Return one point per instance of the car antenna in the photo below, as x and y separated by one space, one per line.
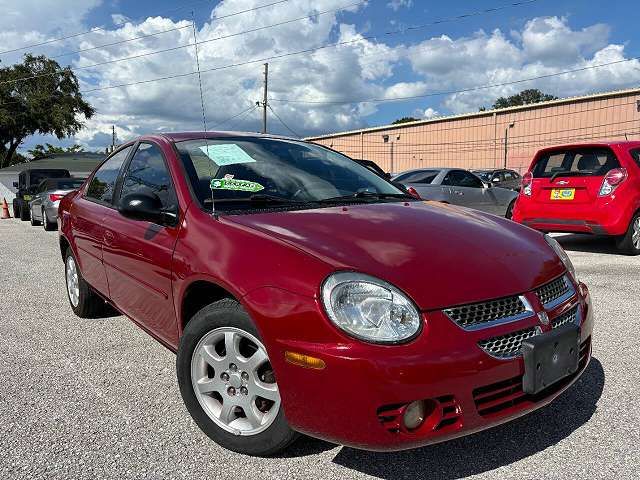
204 113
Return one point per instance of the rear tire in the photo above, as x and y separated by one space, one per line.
629 243
48 226
84 302
208 331
24 213
34 222
16 210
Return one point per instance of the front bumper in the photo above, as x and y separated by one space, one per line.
358 399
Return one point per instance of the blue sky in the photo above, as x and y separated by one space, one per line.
539 38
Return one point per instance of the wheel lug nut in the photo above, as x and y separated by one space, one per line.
233 367
245 376
224 376
244 391
231 391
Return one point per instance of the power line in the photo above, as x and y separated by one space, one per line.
283 122
451 92
244 32
235 122
117 24
251 108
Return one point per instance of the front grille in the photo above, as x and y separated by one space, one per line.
495 399
552 291
508 346
477 314
568 317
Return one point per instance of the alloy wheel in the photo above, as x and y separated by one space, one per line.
233 381
635 236
73 287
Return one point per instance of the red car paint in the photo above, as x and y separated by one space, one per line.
275 263
588 212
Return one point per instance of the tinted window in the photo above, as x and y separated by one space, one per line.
636 156
508 176
575 162
293 171
423 176
104 180
38 175
486 176
460 178
147 173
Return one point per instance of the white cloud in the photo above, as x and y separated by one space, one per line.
430 113
396 5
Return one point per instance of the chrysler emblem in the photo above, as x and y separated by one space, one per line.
544 318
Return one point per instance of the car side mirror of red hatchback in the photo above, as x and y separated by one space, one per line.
143 206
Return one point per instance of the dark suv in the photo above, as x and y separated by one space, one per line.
27 184
501 178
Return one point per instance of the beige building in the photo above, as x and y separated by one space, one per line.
477 140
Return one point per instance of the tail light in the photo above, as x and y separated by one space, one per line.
611 181
54 197
527 182
413 192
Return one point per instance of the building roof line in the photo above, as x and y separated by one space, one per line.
484 113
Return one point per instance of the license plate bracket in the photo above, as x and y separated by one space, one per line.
550 357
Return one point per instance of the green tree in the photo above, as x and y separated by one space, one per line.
525 97
45 100
40 151
404 120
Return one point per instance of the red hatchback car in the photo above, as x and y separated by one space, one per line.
304 293
587 188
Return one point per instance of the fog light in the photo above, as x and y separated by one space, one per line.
414 415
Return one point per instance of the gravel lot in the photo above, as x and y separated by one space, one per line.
98 398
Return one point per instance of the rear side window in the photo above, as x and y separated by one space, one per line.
426 177
104 180
147 172
460 178
636 156
575 162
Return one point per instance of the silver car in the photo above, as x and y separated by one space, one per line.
459 187
44 205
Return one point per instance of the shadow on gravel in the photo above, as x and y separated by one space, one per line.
589 243
492 448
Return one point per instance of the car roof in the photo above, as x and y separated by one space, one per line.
601 143
182 136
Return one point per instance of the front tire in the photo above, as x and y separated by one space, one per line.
227 382
629 243
509 214
84 302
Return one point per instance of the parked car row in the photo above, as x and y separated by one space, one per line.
38 195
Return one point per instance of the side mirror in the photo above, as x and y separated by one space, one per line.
147 207
387 175
488 184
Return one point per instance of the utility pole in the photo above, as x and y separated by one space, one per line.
113 137
264 98
506 142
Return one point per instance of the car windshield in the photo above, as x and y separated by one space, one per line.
38 175
68 184
485 176
243 173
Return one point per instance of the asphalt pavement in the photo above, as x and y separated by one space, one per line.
98 398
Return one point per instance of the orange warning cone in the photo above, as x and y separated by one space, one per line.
5 210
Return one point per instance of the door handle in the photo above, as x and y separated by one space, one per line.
108 237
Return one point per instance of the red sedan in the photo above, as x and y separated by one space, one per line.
304 293
586 188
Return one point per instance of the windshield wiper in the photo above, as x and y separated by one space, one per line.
365 194
259 198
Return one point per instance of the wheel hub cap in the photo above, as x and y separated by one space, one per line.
73 288
233 381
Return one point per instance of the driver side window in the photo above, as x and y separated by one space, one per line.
147 173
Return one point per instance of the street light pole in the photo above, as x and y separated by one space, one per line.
506 142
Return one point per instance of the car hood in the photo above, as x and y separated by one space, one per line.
439 254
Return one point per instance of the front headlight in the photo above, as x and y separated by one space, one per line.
553 243
369 309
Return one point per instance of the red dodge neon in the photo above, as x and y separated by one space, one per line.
304 293
588 188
